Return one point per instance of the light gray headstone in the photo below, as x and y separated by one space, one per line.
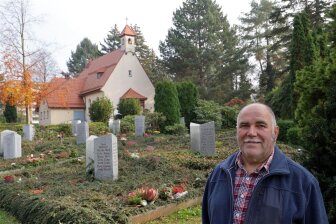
139 125
12 146
202 138
182 120
82 132
74 126
106 157
2 134
28 132
89 155
110 124
116 127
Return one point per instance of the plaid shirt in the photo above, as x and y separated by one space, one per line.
244 185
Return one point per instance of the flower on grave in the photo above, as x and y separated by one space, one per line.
8 179
130 143
37 191
134 198
146 134
135 155
178 189
149 194
156 132
180 194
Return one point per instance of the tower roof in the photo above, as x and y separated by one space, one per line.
127 31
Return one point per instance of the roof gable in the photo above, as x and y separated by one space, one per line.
131 93
127 31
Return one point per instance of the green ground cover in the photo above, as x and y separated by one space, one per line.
55 188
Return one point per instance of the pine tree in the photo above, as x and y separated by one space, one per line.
112 41
202 47
85 52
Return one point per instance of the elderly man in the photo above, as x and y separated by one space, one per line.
259 184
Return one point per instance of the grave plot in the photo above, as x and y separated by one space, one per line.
161 170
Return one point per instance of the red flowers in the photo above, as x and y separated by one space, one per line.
8 179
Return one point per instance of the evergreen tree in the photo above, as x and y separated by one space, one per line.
10 113
257 31
188 96
112 41
202 47
167 102
85 52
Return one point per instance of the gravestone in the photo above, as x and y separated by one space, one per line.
139 125
116 127
182 120
82 132
2 135
12 146
110 124
28 132
106 157
74 126
89 152
202 138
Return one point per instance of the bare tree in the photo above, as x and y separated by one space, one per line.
18 46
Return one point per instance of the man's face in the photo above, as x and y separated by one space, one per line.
256 135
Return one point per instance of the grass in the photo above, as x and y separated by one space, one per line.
6 218
184 216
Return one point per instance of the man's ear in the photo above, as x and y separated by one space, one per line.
276 133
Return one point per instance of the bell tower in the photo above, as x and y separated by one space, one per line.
127 39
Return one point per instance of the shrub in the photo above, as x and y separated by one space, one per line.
294 135
188 95
235 102
129 107
167 102
127 124
10 113
229 116
101 110
98 128
154 121
176 129
207 111
284 125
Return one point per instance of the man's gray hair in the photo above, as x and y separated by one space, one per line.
274 123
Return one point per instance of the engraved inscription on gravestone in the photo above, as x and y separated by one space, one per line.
106 157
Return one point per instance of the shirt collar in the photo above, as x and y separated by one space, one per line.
239 163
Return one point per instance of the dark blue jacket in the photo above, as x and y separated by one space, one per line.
287 194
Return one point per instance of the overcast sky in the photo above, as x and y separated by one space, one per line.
65 23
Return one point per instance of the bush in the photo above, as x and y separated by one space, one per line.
207 111
10 113
294 135
167 102
127 124
284 125
229 116
188 96
154 121
176 129
129 107
98 128
101 110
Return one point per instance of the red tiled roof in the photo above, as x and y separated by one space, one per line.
104 65
64 93
127 31
133 94
67 93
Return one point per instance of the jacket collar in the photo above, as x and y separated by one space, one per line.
279 163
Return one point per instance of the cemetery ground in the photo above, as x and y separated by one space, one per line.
49 183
